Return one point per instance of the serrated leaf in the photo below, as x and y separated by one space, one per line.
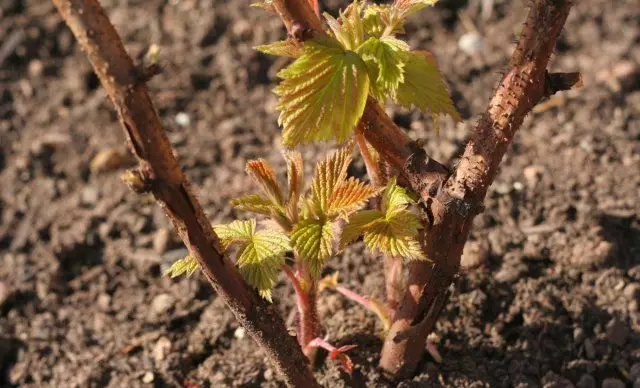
295 176
348 28
256 204
330 173
348 197
187 265
285 48
235 232
263 174
424 87
322 94
312 241
392 230
408 7
357 224
266 5
373 19
260 254
259 260
384 58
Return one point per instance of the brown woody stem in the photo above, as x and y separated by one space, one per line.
454 207
158 171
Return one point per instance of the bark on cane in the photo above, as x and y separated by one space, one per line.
456 204
158 172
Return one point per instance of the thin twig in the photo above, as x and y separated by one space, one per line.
160 173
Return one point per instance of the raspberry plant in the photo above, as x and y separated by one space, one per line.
413 208
322 96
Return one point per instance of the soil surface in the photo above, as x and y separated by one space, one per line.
550 291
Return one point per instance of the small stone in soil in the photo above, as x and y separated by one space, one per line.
613 383
147 378
587 381
161 241
474 255
161 349
617 331
589 349
162 303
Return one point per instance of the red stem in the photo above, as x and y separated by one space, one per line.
308 326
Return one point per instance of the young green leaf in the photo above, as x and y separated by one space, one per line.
392 230
312 240
260 254
323 93
187 265
373 20
330 173
349 197
408 7
423 85
256 204
348 30
266 5
263 174
285 48
295 176
385 64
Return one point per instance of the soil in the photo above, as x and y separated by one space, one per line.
550 291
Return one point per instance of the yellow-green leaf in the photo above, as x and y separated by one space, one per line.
330 173
256 204
348 28
384 58
285 48
424 87
312 242
348 197
393 230
357 224
263 174
322 94
408 7
260 254
295 175
266 5
374 18
187 265
235 232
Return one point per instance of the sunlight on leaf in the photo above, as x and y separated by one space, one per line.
348 28
392 230
349 197
329 173
322 94
385 64
295 176
255 203
312 241
260 254
186 266
263 174
424 87
285 48
408 7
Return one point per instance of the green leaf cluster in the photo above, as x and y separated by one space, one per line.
323 93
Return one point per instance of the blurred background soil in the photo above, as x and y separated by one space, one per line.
549 296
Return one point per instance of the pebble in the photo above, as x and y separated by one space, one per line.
613 383
589 349
474 255
533 174
162 303
4 292
268 374
471 43
578 334
107 160
89 196
617 331
161 349
148 377
104 301
183 119
161 241
632 291
587 381
239 333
